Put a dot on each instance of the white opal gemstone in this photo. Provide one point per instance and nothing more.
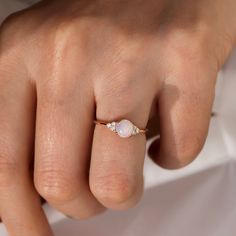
(124, 128)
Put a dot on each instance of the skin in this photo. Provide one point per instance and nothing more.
(65, 63)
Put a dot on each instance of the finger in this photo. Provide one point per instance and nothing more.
(63, 145)
(185, 105)
(20, 206)
(116, 171)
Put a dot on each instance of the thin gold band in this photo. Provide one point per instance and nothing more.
(104, 123)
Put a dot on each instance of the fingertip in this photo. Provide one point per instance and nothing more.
(117, 192)
(176, 158)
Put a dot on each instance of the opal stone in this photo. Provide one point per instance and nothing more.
(124, 128)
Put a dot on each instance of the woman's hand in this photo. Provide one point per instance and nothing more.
(76, 61)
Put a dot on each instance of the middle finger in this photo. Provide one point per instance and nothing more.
(63, 138)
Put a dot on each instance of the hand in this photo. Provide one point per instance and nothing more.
(106, 60)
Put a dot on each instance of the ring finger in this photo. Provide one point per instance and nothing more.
(116, 171)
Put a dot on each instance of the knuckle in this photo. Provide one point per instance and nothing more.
(127, 97)
(55, 185)
(188, 46)
(114, 189)
(9, 29)
(11, 55)
(193, 53)
(120, 88)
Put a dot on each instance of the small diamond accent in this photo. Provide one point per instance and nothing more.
(135, 130)
(112, 126)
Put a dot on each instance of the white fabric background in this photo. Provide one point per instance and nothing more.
(199, 200)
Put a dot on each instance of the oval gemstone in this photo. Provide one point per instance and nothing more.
(124, 128)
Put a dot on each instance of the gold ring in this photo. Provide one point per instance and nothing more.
(123, 128)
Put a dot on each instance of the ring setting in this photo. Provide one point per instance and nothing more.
(123, 128)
